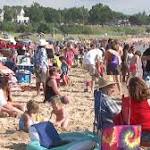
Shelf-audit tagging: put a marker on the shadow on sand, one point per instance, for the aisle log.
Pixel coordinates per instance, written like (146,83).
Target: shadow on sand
(19,146)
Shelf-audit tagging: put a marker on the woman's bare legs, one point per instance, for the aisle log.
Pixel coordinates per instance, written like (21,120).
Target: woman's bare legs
(117,78)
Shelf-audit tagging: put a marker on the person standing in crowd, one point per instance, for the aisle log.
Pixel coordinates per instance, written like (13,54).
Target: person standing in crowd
(50,51)
(69,55)
(136,65)
(129,56)
(90,60)
(113,62)
(124,66)
(41,65)
(64,71)
(146,61)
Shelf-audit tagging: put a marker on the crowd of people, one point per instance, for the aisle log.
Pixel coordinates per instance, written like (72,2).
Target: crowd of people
(53,62)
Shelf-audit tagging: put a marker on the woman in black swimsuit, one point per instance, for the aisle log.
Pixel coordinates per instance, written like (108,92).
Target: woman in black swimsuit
(51,88)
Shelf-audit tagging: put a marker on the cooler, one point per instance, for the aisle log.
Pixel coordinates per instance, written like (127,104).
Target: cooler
(26,67)
(23,76)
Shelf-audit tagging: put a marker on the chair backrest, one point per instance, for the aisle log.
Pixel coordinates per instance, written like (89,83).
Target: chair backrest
(97,110)
(103,115)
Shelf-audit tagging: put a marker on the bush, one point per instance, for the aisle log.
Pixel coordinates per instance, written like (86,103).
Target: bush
(76,29)
(43,27)
(24,28)
(8,26)
(148,30)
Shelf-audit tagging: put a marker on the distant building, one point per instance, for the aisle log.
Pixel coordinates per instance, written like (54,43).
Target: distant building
(21,19)
(2,16)
(123,22)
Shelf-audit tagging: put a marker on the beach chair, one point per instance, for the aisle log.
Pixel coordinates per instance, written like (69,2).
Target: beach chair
(105,110)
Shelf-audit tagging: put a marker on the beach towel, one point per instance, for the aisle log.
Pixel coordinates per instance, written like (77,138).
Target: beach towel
(124,137)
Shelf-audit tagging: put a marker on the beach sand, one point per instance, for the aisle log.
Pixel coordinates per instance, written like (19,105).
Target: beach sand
(80,109)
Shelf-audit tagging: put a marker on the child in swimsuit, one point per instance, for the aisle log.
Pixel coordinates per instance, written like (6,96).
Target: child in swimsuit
(59,112)
(26,119)
(64,71)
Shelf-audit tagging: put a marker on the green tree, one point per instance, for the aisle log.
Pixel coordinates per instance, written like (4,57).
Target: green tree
(100,14)
(51,15)
(35,12)
(75,15)
(8,16)
(24,28)
(43,27)
(8,26)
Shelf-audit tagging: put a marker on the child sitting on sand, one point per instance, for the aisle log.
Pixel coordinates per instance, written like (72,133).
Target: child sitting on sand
(59,112)
(26,119)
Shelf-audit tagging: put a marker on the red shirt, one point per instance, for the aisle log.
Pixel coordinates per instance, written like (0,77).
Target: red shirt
(140,114)
(69,57)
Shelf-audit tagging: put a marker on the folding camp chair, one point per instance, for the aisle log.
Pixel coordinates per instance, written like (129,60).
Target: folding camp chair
(105,109)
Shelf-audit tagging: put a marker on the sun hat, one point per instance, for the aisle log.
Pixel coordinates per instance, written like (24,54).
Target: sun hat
(104,83)
(43,42)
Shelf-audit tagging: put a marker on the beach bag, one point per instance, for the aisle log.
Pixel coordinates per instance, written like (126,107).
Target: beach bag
(123,137)
(45,133)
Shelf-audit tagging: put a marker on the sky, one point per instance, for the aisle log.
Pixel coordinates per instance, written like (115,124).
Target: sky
(125,6)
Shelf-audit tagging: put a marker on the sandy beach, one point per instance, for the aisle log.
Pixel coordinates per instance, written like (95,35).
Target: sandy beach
(80,109)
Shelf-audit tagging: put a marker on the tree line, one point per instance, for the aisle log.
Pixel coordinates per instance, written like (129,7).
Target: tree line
(50,20)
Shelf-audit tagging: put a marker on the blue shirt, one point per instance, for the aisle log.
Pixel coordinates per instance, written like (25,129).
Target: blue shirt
(40,58)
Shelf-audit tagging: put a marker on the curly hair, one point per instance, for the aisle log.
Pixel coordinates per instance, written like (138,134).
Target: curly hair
(138,89)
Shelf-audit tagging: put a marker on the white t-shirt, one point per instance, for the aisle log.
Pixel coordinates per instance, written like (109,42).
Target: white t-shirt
(2,98)
(129,58)
(90,56)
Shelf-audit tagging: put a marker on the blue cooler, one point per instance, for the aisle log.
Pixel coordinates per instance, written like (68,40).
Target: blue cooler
(23,76)
(26,67)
